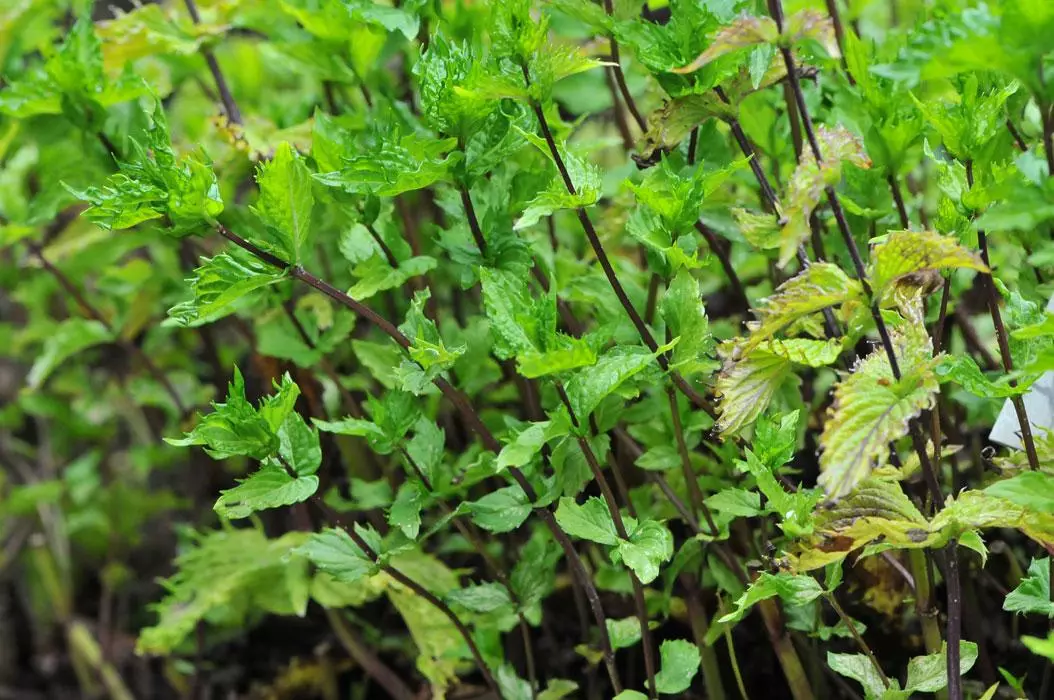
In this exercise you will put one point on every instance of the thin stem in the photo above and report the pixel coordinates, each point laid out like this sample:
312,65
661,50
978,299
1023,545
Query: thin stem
698,618
1019,140
620,529
438,604
693,144
376,236
370,663
898,199
839,35
726,262
955,687
638,589
473,221
620,77
848,622
234,114
690,479
616,109
472,420
605,262
1003,339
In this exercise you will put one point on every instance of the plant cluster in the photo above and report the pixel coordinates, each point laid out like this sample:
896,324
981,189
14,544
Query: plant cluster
526,350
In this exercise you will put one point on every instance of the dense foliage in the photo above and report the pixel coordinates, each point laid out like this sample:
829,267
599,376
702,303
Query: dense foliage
526,349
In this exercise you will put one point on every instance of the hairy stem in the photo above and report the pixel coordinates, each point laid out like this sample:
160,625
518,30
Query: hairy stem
370,663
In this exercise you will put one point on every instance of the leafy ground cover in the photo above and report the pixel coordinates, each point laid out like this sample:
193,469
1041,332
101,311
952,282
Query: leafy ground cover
526,350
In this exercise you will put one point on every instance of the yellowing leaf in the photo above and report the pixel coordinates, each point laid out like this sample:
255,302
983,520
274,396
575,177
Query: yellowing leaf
817,287
746,387
810,179
745,31
905,253
870,409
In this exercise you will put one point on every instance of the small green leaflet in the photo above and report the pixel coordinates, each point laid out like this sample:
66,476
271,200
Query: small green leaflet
270,487
286,202
591,385
650,542
222,285
623,633
685,316
679,664
334,552
1032,595
500,511
530,440
1032,490
589,521
792,589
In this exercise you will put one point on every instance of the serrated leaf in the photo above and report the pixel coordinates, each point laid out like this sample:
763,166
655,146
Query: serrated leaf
963,370
650,544
1032,595
589,521
871,408
334,552
807,185
928,674
377,275
285,201
793,589
858,667
402,163
591,385
746,387
500,511
818,287
269,487
221,286
529,442
1032,490
745,31
685,316
481,597
909,252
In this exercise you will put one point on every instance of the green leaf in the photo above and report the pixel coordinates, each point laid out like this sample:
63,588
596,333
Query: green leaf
334,552
405,512
872,408
286,202
270,487
1040,646
500,511
591,385
963,370
685,316
744,32
481,598
793,589
589,521
624,633
223,285
376,275
401,163
678,666
928,674
859,668
1032,490
650,544
586,178
236,428
905,253
70,338
529,442
1032,595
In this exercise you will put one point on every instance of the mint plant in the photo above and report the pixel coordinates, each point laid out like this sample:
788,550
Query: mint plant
527,350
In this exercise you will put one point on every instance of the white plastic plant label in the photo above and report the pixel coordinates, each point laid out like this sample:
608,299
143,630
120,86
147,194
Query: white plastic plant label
1039,405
